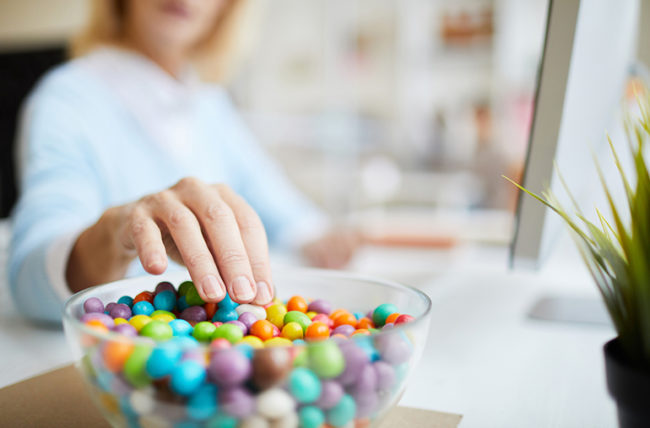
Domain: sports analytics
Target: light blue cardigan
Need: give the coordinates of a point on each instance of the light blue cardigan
(83, 152)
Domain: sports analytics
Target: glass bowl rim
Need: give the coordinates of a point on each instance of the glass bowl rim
(69, 318)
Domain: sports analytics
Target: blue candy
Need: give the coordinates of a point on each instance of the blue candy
(127, 300)
(224, 315)
(143, 308)
(181, 304)
(187, 377)
(358, 315)
(227, 303)
(181, 327)
(222, 420)
(343, 412)
(163, 359)
(311, 417)
(203, 403)
(165, 301)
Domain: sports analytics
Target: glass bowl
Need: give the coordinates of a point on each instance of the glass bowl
(350, 382)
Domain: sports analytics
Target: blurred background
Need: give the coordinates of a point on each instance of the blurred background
(398, 116)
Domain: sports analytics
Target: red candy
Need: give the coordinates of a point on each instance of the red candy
(144, 296)
(404, 318)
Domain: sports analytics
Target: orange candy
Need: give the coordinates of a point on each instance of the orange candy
(116, 353)
(317, 331)
(145, 295)
(210, 309)
(297, 303)
(391, 318)
(345, 318)
(262, 329)
(365, 323)
(97, 325)
(337, 312)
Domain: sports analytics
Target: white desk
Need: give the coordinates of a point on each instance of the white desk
(484, 358)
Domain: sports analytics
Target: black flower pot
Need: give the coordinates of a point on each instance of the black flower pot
(629, 386)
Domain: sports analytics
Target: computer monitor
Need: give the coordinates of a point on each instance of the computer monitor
(588, 51)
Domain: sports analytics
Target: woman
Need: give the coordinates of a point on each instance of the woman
(121, 152)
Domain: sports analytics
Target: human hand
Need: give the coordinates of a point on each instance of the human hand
(208, 228)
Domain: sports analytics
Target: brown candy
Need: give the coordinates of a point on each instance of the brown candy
(270, 366)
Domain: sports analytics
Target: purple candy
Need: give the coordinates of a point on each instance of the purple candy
(237, 402)
(109, 306)
(388, 326)
(125, 329)
(366, 403)
(393, 347)
(194, 313)
(230, 367)
(248, 319)
(320, 306)
(241, 325)
(121, 310)
(385, 375)
(344, 329)
(162, 286)
(93, 304)
(331, 393)
(355, 359)
(366, 381)
(105, 319)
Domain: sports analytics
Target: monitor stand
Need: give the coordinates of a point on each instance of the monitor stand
(574, 310)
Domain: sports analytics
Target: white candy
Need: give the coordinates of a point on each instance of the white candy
(275, 403)
(258, 311)
(142, 402)
(254, 422)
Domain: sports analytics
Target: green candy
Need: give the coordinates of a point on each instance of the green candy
(134, 368)
(381, 312)
(343, 412)
(184, 287)
(157, 330)
(203, 331)
(230, 332)
(192, 297)
(304, 385)
(311, 417)
(299, 317)
(301, 359)
(326, 359)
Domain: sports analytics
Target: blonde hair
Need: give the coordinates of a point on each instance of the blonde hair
(215, 58)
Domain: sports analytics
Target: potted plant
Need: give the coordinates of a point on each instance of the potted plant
(617, 254)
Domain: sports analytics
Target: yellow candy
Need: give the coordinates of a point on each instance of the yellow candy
(292, 331)
(253, 341)
(277, 341)
(119, 321)
(311, 314)
(275, 314)
(139, 321)
(163, 317)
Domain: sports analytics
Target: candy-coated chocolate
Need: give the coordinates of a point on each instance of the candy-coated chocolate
(248, 319)
(231, 332)
(344, 329)
(229, 367)
(277, 341)
(253, 341)
(324, 319)
(93, 304)
(275, 314)
(331, 393)
(184, 287)
(320, 306)
(237, 401)
(343, 412)
(163, 359)
(326, 359)
(304, 385)
(382, 312)
(194, 314)
(165, 300)
(345, 318)
(365, 323)
(404, 318)
(274, 403)
(116, 353)
(241, 326)
(157, 330)
(270, 366)
(225, 315)
(139, 321)
(145, 296)
(292, 331)
(142, 307)
(181, 327)
(297, 303)
(134, 367)
(311, 417)
(210, 309)
(299, 317)
(164, 286)
(203, 331)
(317, 331)
(187, 377)
(390, 319)
(125, 329)
(258, 311)
(262, 329)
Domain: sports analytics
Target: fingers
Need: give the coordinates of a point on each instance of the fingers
(186, 232)
(253, 236)
(148, 243)
(221, 228)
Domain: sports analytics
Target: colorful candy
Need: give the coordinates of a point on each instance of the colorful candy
(260, 366)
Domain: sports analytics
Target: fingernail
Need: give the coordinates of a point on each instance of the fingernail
(264, 293)
(155, 261)
(211, 287)
(243, 289)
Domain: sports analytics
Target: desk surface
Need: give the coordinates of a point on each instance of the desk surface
(484, 358)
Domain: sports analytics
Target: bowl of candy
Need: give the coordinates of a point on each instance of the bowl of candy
(333, 349)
